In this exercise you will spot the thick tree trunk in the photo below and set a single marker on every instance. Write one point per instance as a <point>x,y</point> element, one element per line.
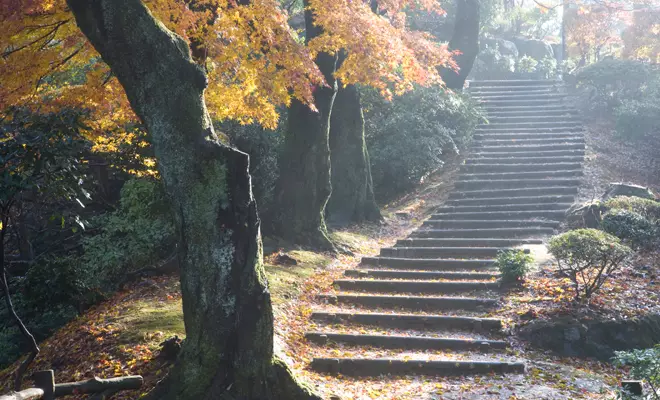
<point>304,185</point>
<point>466,40</point>
<point>352,198</point>
<point>228,351</point>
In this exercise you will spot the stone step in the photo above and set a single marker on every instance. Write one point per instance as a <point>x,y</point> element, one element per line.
<point>517,126</point>
<point>518,192</point>
<point>554,101</point>
<point>559,111</point>
<point>518,155</point>
<point>500,215</point>
<point>496,223</point>
<point>516,83</point>
<point>418,275</point>
<point>522,147</point>
<point>497,97</point>
<point>521,175</point>
<point>405,342</point>
<point>458,241</point>
<point>495,201</point>
<point>441,252</point>
<point>529,136</point>
<point>505,207</point>
<point>418,303</point>
<point>516,118</point>
<point>490,130</point>
<point>411,321</point>
<point>480,142</point>
<point>408,286</point>
<point>383,366</point>
<point>480,169</point>
<point>515,89</point>
<point>489,233</point>
<point>574,159</point>
<point>514,183</point>
<point>426,265</point>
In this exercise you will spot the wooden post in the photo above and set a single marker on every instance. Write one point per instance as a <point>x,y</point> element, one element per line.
<point>97,385</point>
<point>633,388</point>
<point>45,380</point>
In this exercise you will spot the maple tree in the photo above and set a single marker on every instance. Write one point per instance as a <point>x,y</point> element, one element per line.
<point>243,64</point>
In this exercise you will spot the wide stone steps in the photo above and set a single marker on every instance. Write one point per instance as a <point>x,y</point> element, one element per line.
<point>410,321</point>
<point>418,275</point>
<point>520,177</point>
<point>458,241</point>
<point>490,233</point>
<point>412,366</point>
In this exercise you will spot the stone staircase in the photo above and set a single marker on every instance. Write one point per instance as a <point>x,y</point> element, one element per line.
<point>424,302</point>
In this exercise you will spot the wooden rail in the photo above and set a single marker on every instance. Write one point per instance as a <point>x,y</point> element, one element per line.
<point>46,389</point>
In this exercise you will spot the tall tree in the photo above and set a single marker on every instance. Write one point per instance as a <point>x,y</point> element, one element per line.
<point>304,184</point>
<point>352,198</point>
<point>228,352</point>
<point>465,40</point>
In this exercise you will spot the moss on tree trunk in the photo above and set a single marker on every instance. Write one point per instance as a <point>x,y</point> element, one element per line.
<point>304,185</point>
<point>228,352</point>
<point>352,198</point>
<point>464,39</point>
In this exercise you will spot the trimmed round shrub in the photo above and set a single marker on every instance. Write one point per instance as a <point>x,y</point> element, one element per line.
<point>588,257</point>
<point>631,227</point>
<point>650,209</point>
<point>514,265</point>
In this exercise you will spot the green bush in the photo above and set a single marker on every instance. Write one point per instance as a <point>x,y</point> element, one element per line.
<point>514,265</point>
<point>637,118</point>
<point>588,257</point>
<point>413,135</point>
<point>527,64</point>
<point>492,64</point>
<point>631,227</point>
<point>136,235</point>
<point>650,209</point>
<point>644,365</point>
<point>547,68</point>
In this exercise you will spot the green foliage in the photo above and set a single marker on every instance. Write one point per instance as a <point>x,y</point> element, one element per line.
<point>492,64</point>
<point>637,118</point>
<point>413,135</point>
<point>644,365</point>
<point>588,257</point>
<point>527,64</point>
<point>136,235</point>
<point>650,209</point>
<point>547,68</point>
<point>513,264</point>
<point>631,227</point>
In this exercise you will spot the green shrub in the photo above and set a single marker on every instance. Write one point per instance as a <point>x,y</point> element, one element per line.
<point>513,264</point>
<point>527,64</point>
<point>413,135</point>
<point>637,118</point>
<point>137,235</point>
<point>492,64</point>
<point>650,209</point>
<point>547,68</point>
<point>631,227</point>
<point>588,257</point>
<point>644,365</point>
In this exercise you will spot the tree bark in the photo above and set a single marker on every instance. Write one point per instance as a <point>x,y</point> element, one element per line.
<point>352,198</point>
<point>228,351</point>
<point>466,40</point>
<point>304,186</point>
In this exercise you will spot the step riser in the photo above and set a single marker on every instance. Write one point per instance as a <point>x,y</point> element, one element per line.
<point>521,175</point>
<point>516,148</point>
<point>534,119</point>
<point>483,233</point>
<point>509,168</point>
<point>509,200</point>
<point>486,129</point>
<point>418,275</point>
<point>403,342</point>
<point>465,242</point>
<point>490,104</point>
<point>414,303</point>
<point>525,160</point>
<point>485,224</point>
<point>528,142</point>
<point>510,207</point>
<point>551,191</point>
<point>514,89</point>
<point>510,184</point>
<point>433,253</point>
<point>534,98</point>
<point>426,265</point>
<point>517,83</point>
<point>419,322</point>
<point>369,286</point>
<point>516,157</point>
<point>366,367</point>
<point>499,215</point>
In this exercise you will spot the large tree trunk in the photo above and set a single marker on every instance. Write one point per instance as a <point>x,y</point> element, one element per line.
<point>304,185</point>
<point>228,352</point>
<point>466,40</point>
<point>352,198</point>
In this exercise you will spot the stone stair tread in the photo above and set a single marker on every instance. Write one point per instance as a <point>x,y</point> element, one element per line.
<point>508,175</point>
<point>418,275</point>
<point>483,233</point>
<point>406,342</point>
<point>413,286</point>
<point>547,199</point>
<point>408,366</point>
<point>413,321</point>
<point>505,207</point>
<point>511,223</point>
<point>577,158</point>
<point>468,242</point>
<point>411,302</point>
<point>446,264</point>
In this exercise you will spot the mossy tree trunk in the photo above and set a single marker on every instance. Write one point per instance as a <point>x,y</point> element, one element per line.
<point>464,39</point>
<point>352,198</point>
<point>228,351</point>
<point>304,185</point>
